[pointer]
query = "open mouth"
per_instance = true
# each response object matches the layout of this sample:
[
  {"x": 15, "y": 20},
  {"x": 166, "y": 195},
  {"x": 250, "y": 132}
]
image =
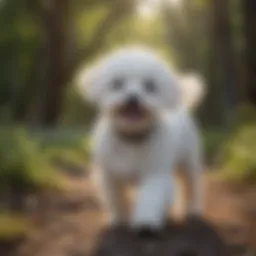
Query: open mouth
[{"x": 132, "y": 112}]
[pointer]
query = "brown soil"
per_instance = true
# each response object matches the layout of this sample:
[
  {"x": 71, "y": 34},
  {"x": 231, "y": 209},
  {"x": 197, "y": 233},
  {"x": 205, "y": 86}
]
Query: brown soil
[
  {"x": 68, "y": 224},
  {"x": 232, "y": 208}
]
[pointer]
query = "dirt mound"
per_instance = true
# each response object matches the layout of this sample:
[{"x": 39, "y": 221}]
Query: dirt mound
[{"x": 194, "y": 238}]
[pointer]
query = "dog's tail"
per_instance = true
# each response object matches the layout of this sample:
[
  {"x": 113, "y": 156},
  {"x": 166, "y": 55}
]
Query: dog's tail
[{"x": 193, "y": 90}]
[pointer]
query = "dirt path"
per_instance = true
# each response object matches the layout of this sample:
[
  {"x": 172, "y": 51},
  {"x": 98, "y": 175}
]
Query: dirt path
[
  {"x": 68, "y": 224},
  {"x": 233, "y": 210}
]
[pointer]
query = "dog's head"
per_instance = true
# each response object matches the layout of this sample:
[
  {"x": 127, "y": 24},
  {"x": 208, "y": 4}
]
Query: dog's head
[{"x": 132, "y": 87}]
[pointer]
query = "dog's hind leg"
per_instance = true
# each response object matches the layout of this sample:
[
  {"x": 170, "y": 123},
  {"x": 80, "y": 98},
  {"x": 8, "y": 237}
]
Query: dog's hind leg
[{"x": 192, "y": 185}]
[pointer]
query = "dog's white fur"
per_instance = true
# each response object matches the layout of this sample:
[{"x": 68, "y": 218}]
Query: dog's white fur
[{"x": 174, "y": 139}]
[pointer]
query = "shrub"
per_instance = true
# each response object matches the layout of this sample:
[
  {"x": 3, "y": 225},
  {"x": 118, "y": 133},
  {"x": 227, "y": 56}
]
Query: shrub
[
  {"x": 238, "y": 155},
  {"x": 12, "y": 227},
  {"x": 213, "y": 141},
  {"x": 22, "y": 163},
  {"x": 65, "y": 148},
  {"x": 245, "y": 114}
]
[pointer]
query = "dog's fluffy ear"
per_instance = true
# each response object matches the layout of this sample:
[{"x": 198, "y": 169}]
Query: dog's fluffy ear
[
  {"x": 193, "y": 89},
  {"x": 89, "y": 84},
  {"x": 186, "y": 89}
]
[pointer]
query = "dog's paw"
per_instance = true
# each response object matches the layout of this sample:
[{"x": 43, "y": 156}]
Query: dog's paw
[
  {"x": 146, "y": 220},
  {"x": 147, "y": 224},
  {"x": 148, "y": 233},
  {"x": 194, "y": 220}
]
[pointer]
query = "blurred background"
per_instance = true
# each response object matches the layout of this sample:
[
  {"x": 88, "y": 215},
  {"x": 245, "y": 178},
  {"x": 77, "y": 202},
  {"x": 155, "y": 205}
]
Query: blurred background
[{"x": 47, "y": 204}]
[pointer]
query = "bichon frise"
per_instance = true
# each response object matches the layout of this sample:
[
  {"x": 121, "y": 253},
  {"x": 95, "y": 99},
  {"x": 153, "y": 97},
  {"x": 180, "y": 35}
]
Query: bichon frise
[{"x": 143, "y": 133}]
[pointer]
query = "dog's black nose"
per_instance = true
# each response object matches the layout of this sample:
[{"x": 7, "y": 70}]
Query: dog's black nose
[{"x": 133, "y": 100}]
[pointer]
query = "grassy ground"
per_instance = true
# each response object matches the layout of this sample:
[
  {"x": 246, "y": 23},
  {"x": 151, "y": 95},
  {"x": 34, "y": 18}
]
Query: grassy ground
[{"x": 13, "y": 227}]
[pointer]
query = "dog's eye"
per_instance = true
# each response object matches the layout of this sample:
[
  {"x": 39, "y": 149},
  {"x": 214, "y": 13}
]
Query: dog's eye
[
  {"x": 150, "y": 86},
  {"x": 118, "y": 84}
]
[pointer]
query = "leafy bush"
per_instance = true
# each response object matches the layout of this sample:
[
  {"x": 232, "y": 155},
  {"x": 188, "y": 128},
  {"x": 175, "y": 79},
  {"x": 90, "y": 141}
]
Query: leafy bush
[
  {"x": 245, "y": 114},
  {"x": 213, "y": 141},
  {"x": 12, "y": 227},
  {"x": 22, "y": 163},
  {"x": 238, "y": 155},
  {"x": 67, "y": 158},
  {"x": 65, "y": 147},
  {"x": 235, "y": 150}
]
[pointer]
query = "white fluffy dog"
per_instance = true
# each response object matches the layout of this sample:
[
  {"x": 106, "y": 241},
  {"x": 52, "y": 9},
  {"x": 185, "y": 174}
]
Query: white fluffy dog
[{"x": 144, "y": 132}]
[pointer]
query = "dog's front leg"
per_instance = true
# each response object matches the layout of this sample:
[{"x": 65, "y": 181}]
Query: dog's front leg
[
  {"x": 153, "y": 201},
  {"x": 194, "y": 191},
  {"x": 114, "y": 198}
]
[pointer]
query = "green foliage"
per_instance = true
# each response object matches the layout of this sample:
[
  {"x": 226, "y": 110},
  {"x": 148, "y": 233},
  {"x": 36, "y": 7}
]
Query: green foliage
[
  {"x": 12, "y": 227},
  {"x": 76, "y": 110},
  {"x": 19, "y": 38},
  {"x": 65, "y": 148},
  {"x": 26, "y": 44},
  {"x": 213, "y": 141},
  {"x": 87, "y": 22},
  {"x": 238, "y": 156},
  {"x": 67, "y": 159},
  {"x": 238, "y": 153},
  {"x": 186, "y": 27},
  {"x": 234, "y": 151},
  {"x": 22, "y": 163},
  {"x": 245, "y": 114}
]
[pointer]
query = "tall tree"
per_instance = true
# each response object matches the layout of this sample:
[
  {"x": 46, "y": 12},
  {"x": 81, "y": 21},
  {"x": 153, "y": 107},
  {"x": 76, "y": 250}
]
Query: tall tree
[
  {"x": 18, "y": 42},
  {"x": 249, "y": 7},
  {"x": 61, "y": 52},
  {"x": 56, "y": 41},
  {"x": 65, "y": 57},
  {"x": 189, "y": 36},
  {"x": 223, "y": 58}
]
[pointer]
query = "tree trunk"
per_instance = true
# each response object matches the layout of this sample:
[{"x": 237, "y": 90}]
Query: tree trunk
[
  {"x": 224, "y": 60},
  {"x": 55, "y": 86},
  {"x": 62, "y": 64},
  {"x": 250, "y": 38},
  {"x": 28, "y": 91}
]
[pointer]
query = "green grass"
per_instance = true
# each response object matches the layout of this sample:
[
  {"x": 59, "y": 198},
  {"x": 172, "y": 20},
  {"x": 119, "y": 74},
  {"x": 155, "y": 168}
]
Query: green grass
[
  {"x": 238, "y": 156},
  {"x": 28, "y": 157},
  {"x": 23, "y": 164},
  {"x": 13, "y": 227},
  {"x": 60, "y": 137},
  {"x": 66, "y": 145}
]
